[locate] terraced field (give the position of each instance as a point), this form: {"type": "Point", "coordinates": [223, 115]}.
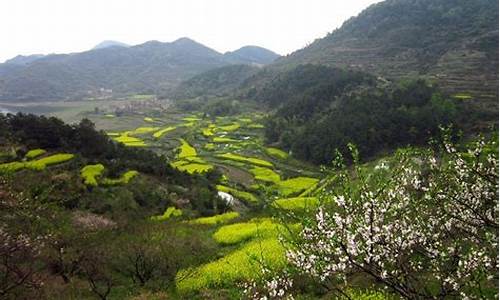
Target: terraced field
{"type": "Point", "coordinates": [260, 179]}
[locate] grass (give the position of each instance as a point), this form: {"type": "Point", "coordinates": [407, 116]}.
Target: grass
{"type": "Point", "coordinates": [248, 197]}
{"type": "Point", "coordinates": [231, 127]}
{"type": "Point", "coordinates": [124, 179]}
{"type": "Point", "coordinates": [217, 219]}
{"type": "Point", "coordinates": [186, 149]}
{"type": "Point", "coordinates": [297, 203]}
{"type": "Point", "coordinates": [239, 232]}
{"type": "Point", "coordinates": [255, 126]}
{"type": "Point", "coordinates": [90, 173]}
{"type": "Point", "coordinates": [265, 174]}
{"type": "Point", "coordinates": [219, 139]}
{"type": "Point", "coordinates": [142, 97]}
{"type": "Point", "coordinates": [277, 153]}
{"type": "Point", "coordinates": [11, 167]}
{"type": "Point", "coordinates": [193, 168]}
{"type": "Point", "coordinates": [130, 141]}
{"type": "Point", "coordinates": [191, 119]}
{"type": "Point", "coordinates": [295, 185]}
{"type": "Point", "coordinates": [148, 119]}
{"type": "Point", "coordinates": [143, 130]}
{"type": "Point", "coordinates": [161, 132]}
{"type": "Point", "coordinates": [252, 160]}
{"type": "Point", "coordinates": [34, 153]}
{"type": "Point", "coordinates": [240, 265]}
{"type": "Point", "coordinates": [209, 146]}
{"type": "Point", "coordinates": [38, 165]}
{"type": "Point", "coordinates": [169, 212]}
{"type": "Point", "coordinates": [207, 132]}
{"type": "Point", "coordinates": [462, 96]}
{"type": "Point", "coordinates": [42, 163]}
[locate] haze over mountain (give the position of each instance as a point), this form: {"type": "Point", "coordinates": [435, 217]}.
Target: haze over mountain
{"type": "Point", "coordinates": [150, 68]}
{"type": "Point", "coordinates": [109, 43]}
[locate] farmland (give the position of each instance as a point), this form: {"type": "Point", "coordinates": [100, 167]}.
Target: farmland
{"type": "Point", "coordinates": [254, 174]}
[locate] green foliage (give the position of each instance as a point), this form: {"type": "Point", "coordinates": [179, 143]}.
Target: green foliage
{"type": "Point", "coordinates": [124, 178]}
{"type": "Point", "coordinates": [231, 127]}
{"type": "Point", "coordinates": [237, 266]}
{"type": "Point", "coordinates": [375, 117]}
{"type": "Point", "coordinates": [186, 150]}
{"type": "Point", "coordinates": [297, 203]}
{"type": "Point", "coordinates": [265, 174]}
{"type": "Point", "coordinates": [170, 212]}
{"type": "Point", "coordinates": [224, 140]}
{"type": "Point", "coordinates": [161, 132]}
{"type": "Point", "coordinates": [277, 153]}
{"type": "Point", "coordinates": [257, 228]}
{"type": "Point", "coordinates": [296, 185]}
{"type": "Point", "coordinates": [217, 219]}
{"type": "Point", "coordinates": [11, 167]}
{"type": "Point", "coordinates": [240, 158]}
{"type": "Point", "coordinates": [34, 153]}
{"type": "Point", "coordinates": [38, 165]}
{"type": "Point", "coordinates": [90, 173]}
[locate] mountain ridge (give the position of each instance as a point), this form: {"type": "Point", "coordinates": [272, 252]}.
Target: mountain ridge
{"type": "Point", "coordinates": [151, 68]}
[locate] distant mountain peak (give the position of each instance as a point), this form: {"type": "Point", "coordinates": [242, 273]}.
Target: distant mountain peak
{"type": "Point", "coordinates": [184, 40]}
{"type": "Point", "coordinates": [109, 43]}
{"type": "Point", "coordinates": [252, 55]}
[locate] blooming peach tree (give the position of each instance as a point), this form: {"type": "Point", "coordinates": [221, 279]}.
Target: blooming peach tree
{"type": "Point", "coordinates": [423, 225]}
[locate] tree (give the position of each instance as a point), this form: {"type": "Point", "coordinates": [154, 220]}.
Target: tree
{"type": "Point", "coordinates": [424, 225]}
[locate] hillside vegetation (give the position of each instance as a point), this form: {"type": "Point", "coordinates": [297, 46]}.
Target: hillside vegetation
{"type": "Point", "coordinates": [453, 42]}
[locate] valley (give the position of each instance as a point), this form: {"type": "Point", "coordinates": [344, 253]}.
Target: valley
{"type": "Point", "coordinates": [362, 166]}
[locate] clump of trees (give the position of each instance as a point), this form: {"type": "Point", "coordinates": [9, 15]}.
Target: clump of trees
{"type": "Point", "coordinates": [375, 118]}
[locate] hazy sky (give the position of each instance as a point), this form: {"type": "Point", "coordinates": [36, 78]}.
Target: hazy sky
{"type": "Point", "coordinates": [63, 26]}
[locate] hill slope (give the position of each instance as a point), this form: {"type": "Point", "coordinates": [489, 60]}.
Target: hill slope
{"type": "Point", "coordinates": [217, 81]}
{"type": "Point", "coordinates": [149, 68]}
{"type": "Point", "coordinates": [454, 42]}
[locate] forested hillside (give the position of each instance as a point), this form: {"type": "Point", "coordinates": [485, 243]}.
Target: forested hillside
{"type": "Point", "coordinates": [452, 42]}
{"type": "Point", "coordinates": [215, 82]}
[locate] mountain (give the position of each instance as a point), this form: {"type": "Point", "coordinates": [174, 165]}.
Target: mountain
{"type": "Point", "coordinates": [108, 43]}
{"type": "Point", "coordinates": [152, 68]}
{"type": "Point", "coordinates": [251, 55]}
{"type": "Point", "coordinates": [452, 42]}
{"type": "Point", "coordinates": [214, 82]}
{"type": "Point", "coordinates": [24, 59]}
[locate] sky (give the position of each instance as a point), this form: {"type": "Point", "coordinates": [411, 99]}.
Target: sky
{"type": "Point", "coordinates": [65, 26]}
